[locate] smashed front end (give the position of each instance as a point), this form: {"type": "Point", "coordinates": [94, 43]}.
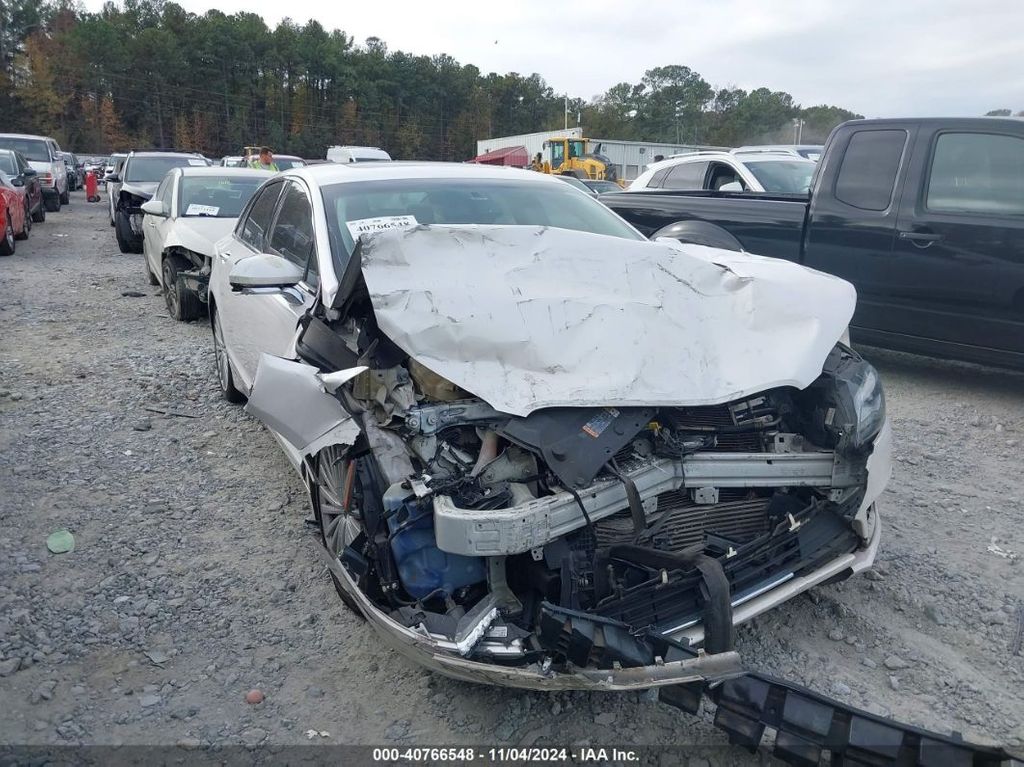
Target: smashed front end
{"type": "Point", "coordinates": [130, 200]}
{"type": "Point", "coordinates": [576, 547]}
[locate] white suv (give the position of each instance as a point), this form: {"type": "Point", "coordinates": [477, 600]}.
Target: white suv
{"type": "Point", "coordinates": [727, 172]}
{"type": "Point", "coordinates": [44, 157]}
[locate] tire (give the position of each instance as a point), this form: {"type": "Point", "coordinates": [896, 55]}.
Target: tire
{"type": "Point", "coordinates": [40, 215]}
{"type": "Point", "coordinates": [182, 304]}
{"type": "Point", "coordinates": [224, 375]}
{"type": "Point", "coordinates": [327, 486]}
{"type": "Point", "coordinates": [127, 240]}
{"type": "Point", "coordinates": [26, 225]}
{"type": "Point", "coordinates": [7, 243]}
{"type": "Point", "coordinates": [51, 203]}
{"type": "Point", "coordinates": [65, 198]}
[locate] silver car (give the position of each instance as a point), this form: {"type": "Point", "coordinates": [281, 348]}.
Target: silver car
{"type": "Point", "coordinates": [543, 451]}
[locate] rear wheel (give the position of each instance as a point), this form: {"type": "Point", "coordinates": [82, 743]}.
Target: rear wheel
{"type": "Point", "coordinates": [7, 243]}
{"type": "Point", "coordinates": [52, 202]}
{"type": "Point", "coordinates": [224, 376]}
{"type": "Point", "coordinates": [65, 198]}
{"type": "Point", "coordinates": [40, 215]}
{"type": "Point", "coordinates": [182, 304]}
{"type": "Point", "coordinates": [340, 522]}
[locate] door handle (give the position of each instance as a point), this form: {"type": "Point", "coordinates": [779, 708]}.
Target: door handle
{"type": "Point", "coordinates": [921, 239]}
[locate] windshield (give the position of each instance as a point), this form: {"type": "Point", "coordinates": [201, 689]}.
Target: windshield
{"type": "Point", "coordinates": [215, 196]}
{"type": "Point", "coordinates": [7, 164]}
{"type": "Point", "coordinates": [286, 164]}
{"type": "Point", "coordinates": [786, 176]}
{"type": "Point", "coordinates": [143, 169]}
{"type": "Point", "coordinates": [34, 149]}
{"type": "Point", "coordinates": [602, 187]}
{"type": "Point", "coordinates": [467, 201]}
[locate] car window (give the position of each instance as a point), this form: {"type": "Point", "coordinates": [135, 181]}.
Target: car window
{"type": "Point", "coordinates": [509, 202]}
{"type": "Point", "coordinates": [143, 169]}
{"type": "Point", "coordinates": [977, 173]}
{"type": "Point", "coordinates": [658, 179]}
{"type": "Point", "coordinates": [783, 176]}
{"type": "Point", "coordinates": [292, 237]}
{"type": "Point", "coordinates": [867, 176]}
{"type": "Point", "coordinates": [288, 164]}
{"type": "Point", "coordinates": [161, 192]}
{"type": "Point", "coordinates": [35, 149]}
{"type": "Point", "coordinates": [686, 175]}
{"type": "Point", "coordinates": [256, 223]}
{"type": "Point", "coordinates": [722, 174]}
{"type": "Point", "coordinates": [215, 196]}
{"type": "Point", "coordinates": [8, 164]}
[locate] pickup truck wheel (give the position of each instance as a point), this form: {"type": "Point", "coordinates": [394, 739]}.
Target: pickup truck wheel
{"type": "Point", "coordinates": [26, 224]}
{"type": "Point", "coordinates": [40, 215]}
{"type": "Point", "coordinates": [224, 376]}
{"type": "Point", "coordinates": [127, 240]}
{"type": "Point", "coordinates": [7, 243]}
{"type": "Point", "coordinates": [52, 203]}
{"type": "Point", "coordinates": [182, 304]}
{"type": "Point", "coordinates": [331, 492]}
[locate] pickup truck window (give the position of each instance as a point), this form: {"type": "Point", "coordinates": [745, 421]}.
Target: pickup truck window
{"type": "Point", "coordinates": [977, 173]}
{"type": "Point", "coordinates": [868, 173]}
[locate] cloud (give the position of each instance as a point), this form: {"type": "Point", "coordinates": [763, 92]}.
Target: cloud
{"type": "Point", "coordinates": [877, 57]}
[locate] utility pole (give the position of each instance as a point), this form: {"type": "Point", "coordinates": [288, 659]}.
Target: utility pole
{"type": "Point", "coordinates": [798, 130]}
{"type": "Point", "coordinates": [566, 112]}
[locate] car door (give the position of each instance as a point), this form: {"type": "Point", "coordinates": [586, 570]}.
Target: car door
{"type": "Point", "coordinates": [271, 315]}
{"type": "Point", "coordinates": [959, 246]}
{"type": "Point", "coordinates": [154, 228]}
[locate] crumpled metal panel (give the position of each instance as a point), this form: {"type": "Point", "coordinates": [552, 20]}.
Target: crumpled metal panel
{"type": "Point", "coordinates": [533, 317]}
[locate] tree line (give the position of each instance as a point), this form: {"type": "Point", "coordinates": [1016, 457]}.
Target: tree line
{"type": "Point", "coordinates": [148, 74]}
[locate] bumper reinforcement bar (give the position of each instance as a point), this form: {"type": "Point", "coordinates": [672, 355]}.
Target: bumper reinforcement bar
{"type": "Point", "coordinates": [808, 724]}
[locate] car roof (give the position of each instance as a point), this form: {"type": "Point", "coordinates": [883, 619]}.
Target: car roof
{"type": "Point", "coordinates": [26, 135]}
{"type": "Point", "coordinates": [219, 171]}
{"type": "Point", "coordinates": [340, 173]}
{"type": "Point", "coordinates": [165, 154]}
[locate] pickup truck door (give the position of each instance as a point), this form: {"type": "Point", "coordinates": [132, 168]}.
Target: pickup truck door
{"type": "Point", "coordinates": [851, 221]}
{"type": "Point", "coordinates": [959, 243]}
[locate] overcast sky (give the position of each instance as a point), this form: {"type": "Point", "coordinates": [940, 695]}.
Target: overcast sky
{"type": "Point", "coordinates": [877, 57]}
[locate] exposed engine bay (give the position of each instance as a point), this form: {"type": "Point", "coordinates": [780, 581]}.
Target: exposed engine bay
{"type": "Point", "coordinates": [583, 537]}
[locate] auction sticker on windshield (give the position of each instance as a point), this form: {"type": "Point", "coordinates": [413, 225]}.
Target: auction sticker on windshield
{"type": "Point", "coordinates": [201, 210]}
{"type": "Point", "coordinates": [380, 224]}
{"type": "Point", "coordinates": [197, 163]}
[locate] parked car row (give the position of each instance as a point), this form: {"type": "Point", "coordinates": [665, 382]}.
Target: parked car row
{"type": "Point", "coordinates": [33, 180]}
{"type": "Point", "coordinates": [498, 493]}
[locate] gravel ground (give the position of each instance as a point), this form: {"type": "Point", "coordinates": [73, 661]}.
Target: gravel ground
{"type": "Point", "coordinates": [195, 579]}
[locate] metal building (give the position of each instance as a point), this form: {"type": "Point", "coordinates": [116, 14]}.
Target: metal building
{"type": "Point", "coordinates": [629, 157]}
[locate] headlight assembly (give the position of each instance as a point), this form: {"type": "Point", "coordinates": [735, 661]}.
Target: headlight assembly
{"type": "Point", "coordinates": [845, 407]}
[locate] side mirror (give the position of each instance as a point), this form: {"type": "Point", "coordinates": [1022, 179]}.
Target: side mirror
{"type": "Point", "coordinates": [264, 271]}
{"type": "Point", "coordinates": [732, 186]}
{"type": "Point", "coordinates": [29, 172]}
{"type": "Point", "coordinates": [17, 181]}
{"type": "Point", "coordinates": [112, 177]}
{"type": "Point", "coordinates": [154, 208]}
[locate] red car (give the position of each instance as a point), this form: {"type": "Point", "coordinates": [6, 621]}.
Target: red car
{"type": "Point", "coordinates": [15, 218]}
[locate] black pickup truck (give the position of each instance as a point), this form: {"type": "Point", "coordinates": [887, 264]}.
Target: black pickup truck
{"type": "Point", "coordinates": [924, 216]}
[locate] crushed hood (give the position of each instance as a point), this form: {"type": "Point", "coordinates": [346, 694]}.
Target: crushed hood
{"type": "Point", "coordinates": [144, 189]}
{"type": "Point", "coordinates": [532, 317]}
{"type": "Point", "coordinates": [198, 234]}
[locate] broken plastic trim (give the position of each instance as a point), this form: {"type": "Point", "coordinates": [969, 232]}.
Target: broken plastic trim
{"type": "Point", "coordinates": [807, 724]}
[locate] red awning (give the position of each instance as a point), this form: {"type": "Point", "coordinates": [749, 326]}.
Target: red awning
{"type": "Point", "coordinates": [515, 156]}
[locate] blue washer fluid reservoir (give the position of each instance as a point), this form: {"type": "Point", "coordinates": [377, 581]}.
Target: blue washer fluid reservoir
{"type": "Point", "coordinates": [422, 566]}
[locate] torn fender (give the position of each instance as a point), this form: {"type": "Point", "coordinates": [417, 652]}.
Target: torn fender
{"type": "Point", "coordinates": [292, 399]}
{"type": "Point", "coordinates": [528, 317]}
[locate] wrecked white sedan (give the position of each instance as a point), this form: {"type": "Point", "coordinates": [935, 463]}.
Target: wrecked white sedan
{"type": "Point", "coordinates": [543, 451]}
{"type": "Point", "coordinates": [191, 209]}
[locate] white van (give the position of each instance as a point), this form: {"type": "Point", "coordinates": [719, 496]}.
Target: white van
{"type": "Point", "coordinates": [357, 154]}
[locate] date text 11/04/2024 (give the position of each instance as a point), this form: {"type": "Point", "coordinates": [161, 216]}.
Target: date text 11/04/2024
{"type": "Point", "coordinates": [506, 754]}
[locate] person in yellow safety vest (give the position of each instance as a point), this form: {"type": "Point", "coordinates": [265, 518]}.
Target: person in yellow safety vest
{"type": "Point", "coordinates": [538, 163]}
{"type": "Point", "coordinates": [265, 161]}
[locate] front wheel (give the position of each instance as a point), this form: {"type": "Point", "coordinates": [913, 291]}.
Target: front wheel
{"type": "Point", "coordinates": [224, 376]}
{"type": "Point", "coordinates": [182, 304]}
{"type": "Point", "coordinates": [127, 240]}
{"type": "Point", "coordinates": [7, 243]}
{"type": "Point", "coordinates": [332, 493]}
